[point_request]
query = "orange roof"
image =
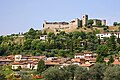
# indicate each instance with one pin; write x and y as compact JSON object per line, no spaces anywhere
{"x":5,"y":60}
{"x":116,"y":62}
{"x":51,"y":63}
{"x":77,"y":60}
{"x":86,"y":65}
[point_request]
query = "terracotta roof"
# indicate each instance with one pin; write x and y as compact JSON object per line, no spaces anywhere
{"x":86,"y":65}
{"x":76,"y":60}
{"x":92,"y":60}
{"x":5,"y":60}
{"x":51,"y":63}
{"x":116,"y":62}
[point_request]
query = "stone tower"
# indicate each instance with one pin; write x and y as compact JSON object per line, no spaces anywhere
{"x":84,"y":20}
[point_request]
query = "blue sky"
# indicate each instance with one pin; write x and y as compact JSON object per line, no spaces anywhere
{"x":20,"y":15}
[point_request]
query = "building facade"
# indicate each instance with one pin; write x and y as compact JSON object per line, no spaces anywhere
{"x":98,"y":22}
{"x":107,"y":35}
{"x":61,"y":25}
{"x":73,"y":24}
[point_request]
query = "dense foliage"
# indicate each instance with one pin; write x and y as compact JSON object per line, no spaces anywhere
{"x":74,"y":72}
{"x":60,"y":44}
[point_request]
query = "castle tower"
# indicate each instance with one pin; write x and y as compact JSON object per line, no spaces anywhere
{"x":44,"y":24}
{"x":84,"y":20}
{"x":104,"y":22}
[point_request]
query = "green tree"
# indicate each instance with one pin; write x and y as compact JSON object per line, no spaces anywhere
{"x":100,"y":58}
{"x":1,"y":39}
{"x":41,"y":66}
{"x":115,"y":24}
{"x":112,"y":42}
{"x":102,"y":49}
{"x":118,"y":39}
{"x":99,"y":23}
{"x":2,"y":76}
{"x":96,"y":72}
{"x":3,"y":50}
{"x":90,"y":22}
{"x":111,"y":60}
{"x":27,"y":44}
{"x":30,"y":34}
{"x":112,"y":73}
{"x":81,"y":73}
{"x":72,"y":71}
{"x":55,"y":73}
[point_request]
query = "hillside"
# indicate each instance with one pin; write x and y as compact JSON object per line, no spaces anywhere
{"x":85,"y":29}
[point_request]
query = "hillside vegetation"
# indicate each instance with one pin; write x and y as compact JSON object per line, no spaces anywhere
{"x":60,"y":44}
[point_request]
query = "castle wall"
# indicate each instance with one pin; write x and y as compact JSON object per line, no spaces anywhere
{"x":61,"y":25}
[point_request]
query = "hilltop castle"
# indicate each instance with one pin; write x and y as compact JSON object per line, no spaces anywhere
{"x":75,"y":23}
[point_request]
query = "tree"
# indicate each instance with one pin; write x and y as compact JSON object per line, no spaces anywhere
{"x":2,"y":77}
{"x":30,"y":34}
{"x":41,"y":66}
{"x":102,"y":49}
{"x":115,"y":24}
{"x":118,"y":39}
{"x":81,"y":73}
{"x":90,"y":22}
{"x":72,"y":70}
{"x":96,"y":72}
{"x":111,"y":60}
{"x":1,"y":39}
{"x":7,"y":71}
{"x":55,"y":73}
{"x":112,"y":42}
{"x":100,"y":58}
{"x":99,"y":23}
{"x":112,"y":73}
{"x":27,"y":44}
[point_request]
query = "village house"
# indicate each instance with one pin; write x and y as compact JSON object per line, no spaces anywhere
{"x":43,"y":37}
{"x":26,"y":62}
{"x":24,"y":65}
{"x":107,"y":35}
{"x":5,"y":60}
{"x":85,"y":55}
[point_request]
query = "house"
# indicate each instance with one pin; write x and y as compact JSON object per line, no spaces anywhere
{"x":107,"y":35}
{"x":5,"y":61}
{"x":81,"y":56}
{"x":88,"y":55}
{"x":18,"y":57}
{"x":85,"y":55}
{"x":24,"y":65}
{"x":26,"y":62}
{"x":116,"y":62}
{"x":43,"y":37}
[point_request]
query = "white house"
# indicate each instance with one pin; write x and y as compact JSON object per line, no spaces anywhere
{"x":84,"y":55}
{"x":16,"y":65}
{"x":81,"y":56}
{"x":43,"y":37}
{"x":107,"y":35}
{"x":18,"y":57}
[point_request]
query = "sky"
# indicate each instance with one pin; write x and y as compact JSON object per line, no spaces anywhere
{"x":21,"y":15}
